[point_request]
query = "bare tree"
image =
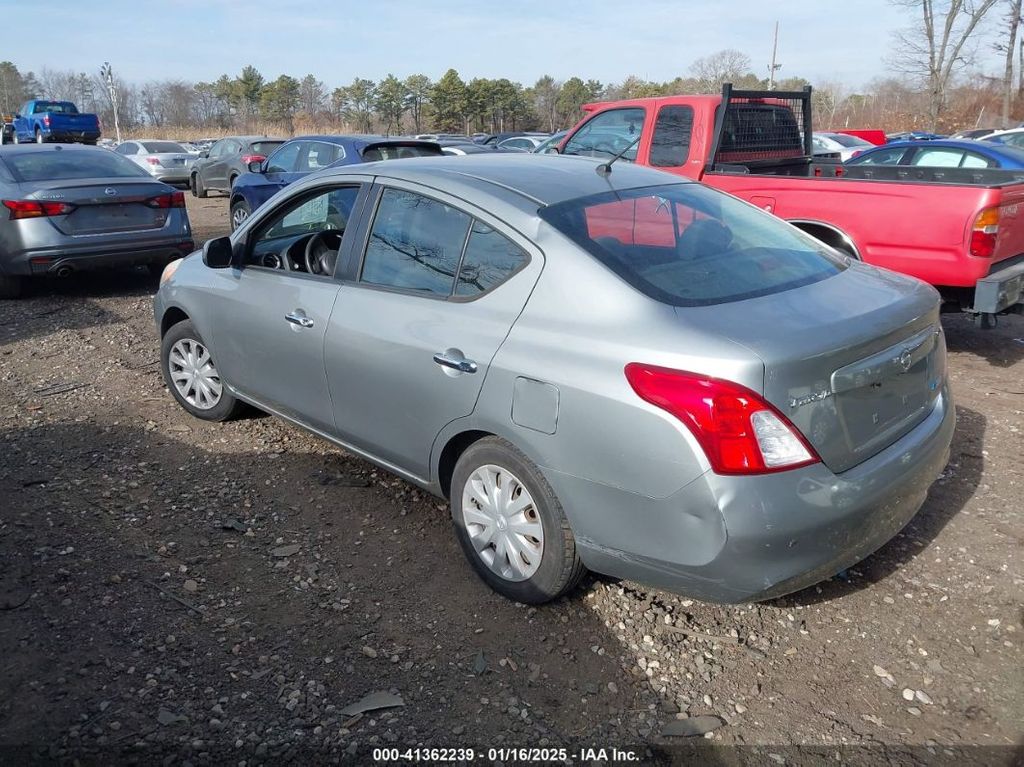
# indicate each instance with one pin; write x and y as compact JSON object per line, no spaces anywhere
{"x":1012,"y":21}
{"x":726,"y":66}
{"x":934,"y":50}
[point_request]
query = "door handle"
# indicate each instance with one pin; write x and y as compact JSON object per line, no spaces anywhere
{"x":462,"y":365}
{"x":299,"y":319}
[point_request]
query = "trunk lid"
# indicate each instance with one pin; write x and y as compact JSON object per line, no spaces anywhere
{"x":172,"y":159}
{"x":854,"y":361}
{"x":102,"y":206}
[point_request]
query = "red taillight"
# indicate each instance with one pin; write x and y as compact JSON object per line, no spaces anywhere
{"x":739,"y":432}
{"x":46,"y":120}
{"x":153,"y":160}
{"x":172,"y":200}
{"x":984,"y":233}
{"x":35,"y":209}
{"x":248,"y":158}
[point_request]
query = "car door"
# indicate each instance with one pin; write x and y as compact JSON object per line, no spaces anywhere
{"x":280,"y":168}
{"x":271,"y":314}
{"x":216,"y":176}
{"x":421,"y":313}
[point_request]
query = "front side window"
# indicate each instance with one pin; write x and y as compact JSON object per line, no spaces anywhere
{"x":609,"y":133}
{"x":217,"y":149}
{"x":415,"y":243}
{"x":283,"y":160}
{"x":938,"y":158}
{"x":670,"y":145}
{"x":318,"y":155}
{"x":689,"y":245}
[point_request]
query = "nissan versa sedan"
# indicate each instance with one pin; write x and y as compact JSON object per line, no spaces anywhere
{"x":599,"y":366}
{"x":65,"y":208}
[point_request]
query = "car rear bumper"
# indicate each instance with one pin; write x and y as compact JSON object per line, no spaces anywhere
{"x":59,"y":260}
{"x":171,"y":175}
{"x":1001,"y":290}
{"x":742,"y":539}
{"x":71,"y":135}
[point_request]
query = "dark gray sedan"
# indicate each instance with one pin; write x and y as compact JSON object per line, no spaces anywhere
{"x":614,"y":370}
{"x":65,"y":208}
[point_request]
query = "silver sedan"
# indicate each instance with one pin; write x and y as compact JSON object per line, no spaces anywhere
{"x":65,"y":208}
{"x":599,"y":367}
{"x":167,"y":161}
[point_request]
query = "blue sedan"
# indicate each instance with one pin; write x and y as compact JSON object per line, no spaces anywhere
{"x":943,"y":153}
{"x":303,"y":155}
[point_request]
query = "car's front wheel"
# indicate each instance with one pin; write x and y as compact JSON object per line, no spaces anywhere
{"x":239,"y":213}
{"x":191,"y":375}
{"x":511,"y":526}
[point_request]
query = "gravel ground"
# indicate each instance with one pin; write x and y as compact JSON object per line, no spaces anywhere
{"x":223,"y":593}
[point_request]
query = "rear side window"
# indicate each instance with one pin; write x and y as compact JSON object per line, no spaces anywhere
{"x":760,"y":128}
{"x":670,"y":146}
{"x":491,"y":258}
{"x":54,"y":165}
{"x":261,"y":147}
{"x":689,"y":245}
{"x":415,"y":243}
{"x":608,"y":133}
{"x":399,"y":151}
{"x":891,"y":156}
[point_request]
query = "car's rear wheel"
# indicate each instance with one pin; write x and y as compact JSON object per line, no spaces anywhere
{"x":39,"y":136}
{"x":192,"y":377}
{"x":198,"y":188}
{"x":231,"y":181}
{"x":11,"y":286}
{"x":240,"y":211}
{"x":511,"y":526}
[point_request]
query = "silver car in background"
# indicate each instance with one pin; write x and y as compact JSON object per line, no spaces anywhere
{"x":600,"y":366}
{"x":65,"y":208}
{"x":166,"y":161}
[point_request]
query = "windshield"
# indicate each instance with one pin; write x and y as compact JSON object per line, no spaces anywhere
{"x":163,"y":147}
{"x":264,"y":147}
{"x":688,"y":245}
{"x":55,"y":165}
{"x":848,"y":141}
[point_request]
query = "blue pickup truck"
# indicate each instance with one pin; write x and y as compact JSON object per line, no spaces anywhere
{"x":54,"y":121}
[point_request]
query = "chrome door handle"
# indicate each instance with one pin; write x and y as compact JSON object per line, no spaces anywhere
{"x":299,"y":319}
{"x":462,"y":365}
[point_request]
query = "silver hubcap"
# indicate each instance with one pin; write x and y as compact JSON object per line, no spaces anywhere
{"x":503,"y":523}
{"x":239,"y":216}
{"x":194,"y":375}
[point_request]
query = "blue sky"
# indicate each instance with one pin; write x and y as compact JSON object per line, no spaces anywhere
{"x":338,"y":40}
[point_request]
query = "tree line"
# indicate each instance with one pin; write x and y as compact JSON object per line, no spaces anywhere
{"x":935,"y":84}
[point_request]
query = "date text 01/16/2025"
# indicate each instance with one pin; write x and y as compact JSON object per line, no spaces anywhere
{"x":539,"y":755}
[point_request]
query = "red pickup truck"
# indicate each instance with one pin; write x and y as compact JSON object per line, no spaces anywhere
{"x":960,"y":229}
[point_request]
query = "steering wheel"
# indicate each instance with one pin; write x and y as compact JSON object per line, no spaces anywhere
{"x":322,"y":252}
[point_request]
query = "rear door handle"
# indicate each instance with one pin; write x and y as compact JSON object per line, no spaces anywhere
{"x":462,"y":365}
{"x":297,"y":318}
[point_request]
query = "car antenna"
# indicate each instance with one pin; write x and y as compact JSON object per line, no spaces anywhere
{"x":605,"y":168}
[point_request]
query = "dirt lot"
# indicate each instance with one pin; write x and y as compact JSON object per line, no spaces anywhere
{"x":220,"y":593}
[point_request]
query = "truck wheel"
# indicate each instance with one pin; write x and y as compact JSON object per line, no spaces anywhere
{"x":10,"y":286}
{"x":39,"y":136}
{"x":16,"y":141}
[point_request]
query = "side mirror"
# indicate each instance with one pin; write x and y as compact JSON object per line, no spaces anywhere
{"x":217,"y":253}
{"x":255,"y":166}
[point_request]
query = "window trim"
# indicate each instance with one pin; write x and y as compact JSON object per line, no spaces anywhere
{"x":354,"y":270}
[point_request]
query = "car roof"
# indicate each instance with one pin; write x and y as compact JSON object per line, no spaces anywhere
{"x":947,"y":143}
{"x":539,"y":179}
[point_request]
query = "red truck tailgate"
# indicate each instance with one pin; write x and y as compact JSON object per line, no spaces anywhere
{"x":1010,"y":237}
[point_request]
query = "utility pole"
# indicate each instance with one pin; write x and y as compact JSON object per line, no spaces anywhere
{"x":774,"y":67}
{"x":107,"y":73}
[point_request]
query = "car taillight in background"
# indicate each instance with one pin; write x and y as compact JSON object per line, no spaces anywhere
{"x":35,"y":209}
{"x":984,"y":233}
{"x":739,"y":432}
{"x":171,"y":200}
{"x":153,"y":160}
{"x":248,"y":158}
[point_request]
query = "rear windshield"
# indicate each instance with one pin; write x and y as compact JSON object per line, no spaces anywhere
{"x":56,"y":164}
{"x":399,"y":151}
{"x":688,"y":245}
{"x":848,"y":141}
{"x":169,"y":147}
{"x":55,"y":107}
{"x":264,"y":147}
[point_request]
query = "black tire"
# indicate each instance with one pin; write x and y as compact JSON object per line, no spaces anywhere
{"x":156,"y":269}
{"x":11,"y":286}
{"x":560,"y":568}
{"x":227,"y":406}
{"x":231,"y":182}
{"x":198,"y":187}
{"x":39,"y":137}
{"x":239,"y":212}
